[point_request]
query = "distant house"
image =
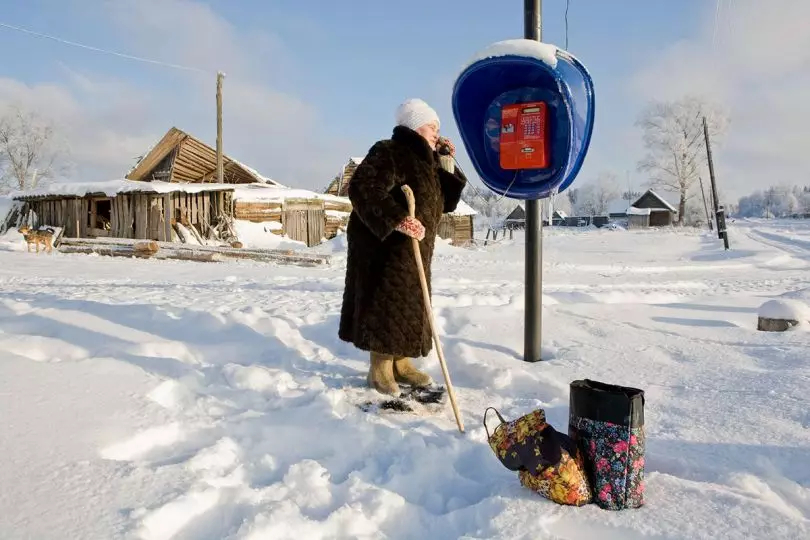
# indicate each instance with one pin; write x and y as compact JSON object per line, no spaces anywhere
{"x":340,"y":184}
{"x":651,"y":210}
{"x":516,"y":218}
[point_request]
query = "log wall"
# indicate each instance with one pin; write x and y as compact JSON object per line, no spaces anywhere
{"x":144,"y":216}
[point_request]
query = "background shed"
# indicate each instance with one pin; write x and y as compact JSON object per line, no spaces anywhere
{"x":458,"y":226}
{"x":662,"y":213}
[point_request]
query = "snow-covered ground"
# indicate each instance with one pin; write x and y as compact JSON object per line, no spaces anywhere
{"x":168,"y":399}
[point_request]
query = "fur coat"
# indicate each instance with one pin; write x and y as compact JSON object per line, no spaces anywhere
{"x":383,"y":309}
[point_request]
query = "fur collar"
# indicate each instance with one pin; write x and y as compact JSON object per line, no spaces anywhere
{"x":414,"y":141}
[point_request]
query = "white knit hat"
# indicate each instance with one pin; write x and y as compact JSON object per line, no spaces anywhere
{"x":415,"y":113}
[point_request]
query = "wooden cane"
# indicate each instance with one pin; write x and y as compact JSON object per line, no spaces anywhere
{"x":426,"y":295}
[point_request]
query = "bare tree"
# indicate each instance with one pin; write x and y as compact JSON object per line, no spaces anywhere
{"x":676,"y":149}
{"x":31,"y":153}
{"x":594,"y":199}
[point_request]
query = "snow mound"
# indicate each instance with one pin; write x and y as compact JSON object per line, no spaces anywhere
{"x":786,"y":309}
{"x":261,"y":236}
{"x":12,"y":241}
{"x":337,"y":245}
{"x":445,"y":247}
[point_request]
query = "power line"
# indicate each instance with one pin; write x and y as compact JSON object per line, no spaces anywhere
{"x":567,"y":5}
{"x":106,"y":51}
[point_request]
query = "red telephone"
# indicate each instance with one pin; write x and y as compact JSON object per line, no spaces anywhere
{"x":524,"y":136}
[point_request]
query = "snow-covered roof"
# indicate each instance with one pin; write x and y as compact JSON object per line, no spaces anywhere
{"x":561,"y":214}
{"x":663,"y":201}
{"x":633,"y":211}
{"x":259,"y":177}
{"x":112,"y":187}
{"x":463,"y":209}
{"x":266,"y":192}
{"x":517,"y":47}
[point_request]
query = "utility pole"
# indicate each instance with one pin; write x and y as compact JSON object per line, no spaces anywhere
{"x":220,"y":168}
{"x":719,"y":212}
{"x":532,"y":29}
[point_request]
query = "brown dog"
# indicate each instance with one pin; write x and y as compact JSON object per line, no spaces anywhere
{"x":43,"y":236}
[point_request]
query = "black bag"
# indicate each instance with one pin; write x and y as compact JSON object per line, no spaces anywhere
{"x":607,"y":422}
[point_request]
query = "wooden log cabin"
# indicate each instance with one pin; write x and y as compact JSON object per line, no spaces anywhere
{"x":157,"y":210}
{"x":298,"y":214}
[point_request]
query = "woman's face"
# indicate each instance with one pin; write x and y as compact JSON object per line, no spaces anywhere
{"x":430,"y":132}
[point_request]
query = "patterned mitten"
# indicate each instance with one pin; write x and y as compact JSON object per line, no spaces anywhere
{"x":412,"y":227}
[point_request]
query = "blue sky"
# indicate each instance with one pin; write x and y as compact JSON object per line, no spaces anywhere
{"x":311,"y":83}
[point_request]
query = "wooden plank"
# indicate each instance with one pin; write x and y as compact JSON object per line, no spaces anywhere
{"x":194,"y":218}
{"x":206,"y":216}
{"x":167,"y":217}
{"x":141,"y":217}
{"x":113,"y":218}
{"x":154,"y":217}
{"x":130,"y":204}
{"x":122,"y":221}
{"x":84,"y":216}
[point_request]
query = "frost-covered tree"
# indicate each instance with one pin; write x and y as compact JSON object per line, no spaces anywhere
{"x":675,"y":145}
{"x":489,"y":205}
{"x":775,"y":202}
{"x":594,"y":198}
{"x":31,"y":152}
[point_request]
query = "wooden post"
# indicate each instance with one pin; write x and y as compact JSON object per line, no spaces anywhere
{"x":220,"y":169}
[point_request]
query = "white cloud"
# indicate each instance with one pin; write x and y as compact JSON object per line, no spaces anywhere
{"x":759,"y":70}
{"x":110,"y":120}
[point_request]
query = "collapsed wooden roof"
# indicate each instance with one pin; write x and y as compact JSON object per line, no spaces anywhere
{"x":180,"y":157}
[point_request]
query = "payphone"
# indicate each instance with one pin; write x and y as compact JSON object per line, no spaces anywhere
{"x":524,"y":141}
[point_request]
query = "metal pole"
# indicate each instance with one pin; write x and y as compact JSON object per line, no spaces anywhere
{"x":534,"y":227}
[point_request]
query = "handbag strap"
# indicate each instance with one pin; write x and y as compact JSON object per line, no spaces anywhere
{"x":485,"y":419}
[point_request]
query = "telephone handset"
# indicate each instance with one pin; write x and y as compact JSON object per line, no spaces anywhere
{"x":524,"y":136}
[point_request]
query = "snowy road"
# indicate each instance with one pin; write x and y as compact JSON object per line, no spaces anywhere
{"x":156,"y":400}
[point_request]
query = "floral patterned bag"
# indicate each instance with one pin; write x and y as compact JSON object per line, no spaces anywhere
{"x":547,"y":461}
{"x":607,"y":423}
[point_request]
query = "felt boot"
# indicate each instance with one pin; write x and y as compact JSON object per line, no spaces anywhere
{"x":381,"y":374}
{"x":406,"y":373}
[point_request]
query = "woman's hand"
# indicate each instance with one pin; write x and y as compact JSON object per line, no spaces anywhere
{"x":410,"y":226}
{"x":446,"y":147}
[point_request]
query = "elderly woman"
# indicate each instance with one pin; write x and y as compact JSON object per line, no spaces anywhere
{"x":383,"y":310}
